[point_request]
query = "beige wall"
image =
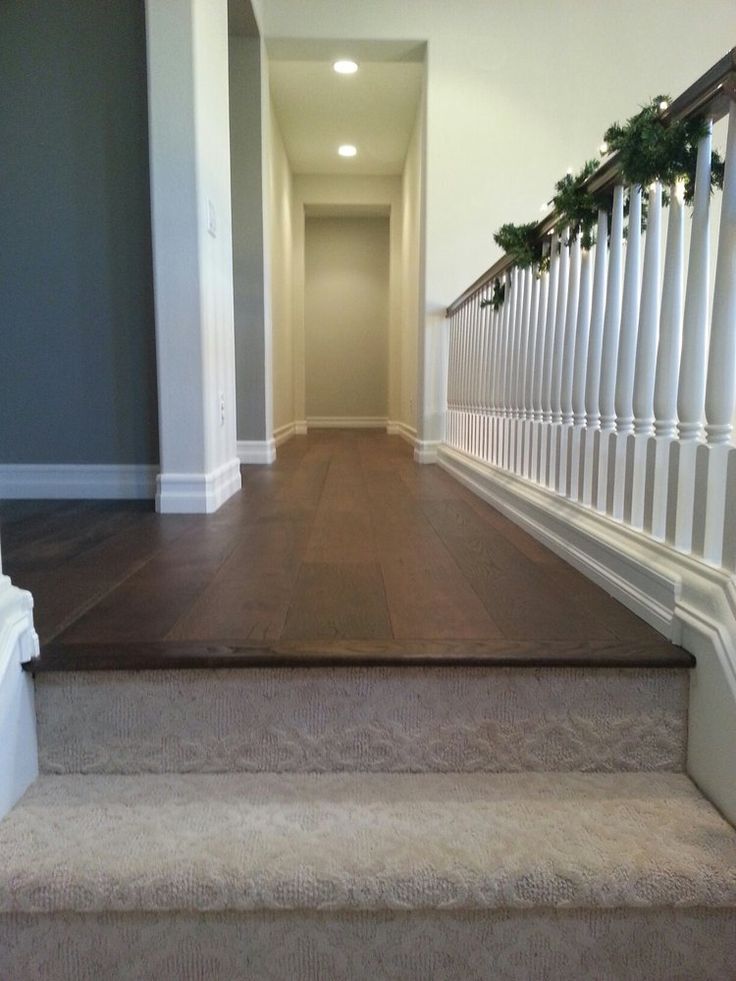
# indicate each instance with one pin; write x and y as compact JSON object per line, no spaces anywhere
{"x":348,"y":195}
{"x":346,"y":301}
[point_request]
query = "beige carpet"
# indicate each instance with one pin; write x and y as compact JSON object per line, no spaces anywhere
{"x":364,"y":842}
{"x":425,"y":945}
{"x":369,"y":719}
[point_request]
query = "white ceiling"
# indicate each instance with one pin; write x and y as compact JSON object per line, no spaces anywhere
{"x":317,"y":110}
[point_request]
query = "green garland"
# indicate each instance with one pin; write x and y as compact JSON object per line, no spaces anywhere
{"x":577,"y":207}
{"x":650,"y":148}
{"x":521,"y":243}
{"x":498,"y":295}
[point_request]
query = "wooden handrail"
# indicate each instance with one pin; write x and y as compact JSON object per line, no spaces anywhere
{"x":710,"y":95}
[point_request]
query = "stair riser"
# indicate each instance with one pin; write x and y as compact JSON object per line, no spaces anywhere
{"x":363,"y":719}
{"x":544,"y":945}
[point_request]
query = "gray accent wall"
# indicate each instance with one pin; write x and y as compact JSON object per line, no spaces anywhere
{"x":77,"y":334}
{"x":247,"y":209}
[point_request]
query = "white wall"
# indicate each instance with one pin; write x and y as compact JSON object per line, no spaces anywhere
{"x":518,"y":90}
{"x":193,"y":276}
{"x":281,"y":223}
{"x":346,"y":318}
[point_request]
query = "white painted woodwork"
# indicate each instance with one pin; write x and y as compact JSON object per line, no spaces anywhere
{"x":720,"y":400}
{"x":597,"y":318}
{"x":558,"y":341}
{"x":568,"y":347}
{"x":691,"y":389}
{"x":645,"y":365}
{"x":624,"y":391}
{"x":612,"y":318}
{"x":670,"y":323}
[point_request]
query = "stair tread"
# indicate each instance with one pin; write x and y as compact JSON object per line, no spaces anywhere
{"x":165,"y":655}
{"x":359,"y":841}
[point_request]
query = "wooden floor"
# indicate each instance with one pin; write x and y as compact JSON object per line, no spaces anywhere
{"x":345,"y":538}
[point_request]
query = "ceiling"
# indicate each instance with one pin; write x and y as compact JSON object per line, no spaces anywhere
{"x":318,"y":110}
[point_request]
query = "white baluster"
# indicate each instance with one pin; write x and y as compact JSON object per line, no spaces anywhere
{"x":537,"y":377}
{"x":668,"y":365}
{"x":528,"y":379}
{"x":561,"y":472}
{"x":521,"y":368}
{"x":593,"y":368}
{"x":580,"y":364}
{"x":560,"y":329}
{"x":548,"y":358}
{"x":568,"y":353}
{"x":691,"y":383}
{"x":720,"y":399}
{"x":645,"y":367}
{"x":609,"y":350}
{"x":624,"y":396}
{"x":451,"y":381}
{"x":720,"y":396}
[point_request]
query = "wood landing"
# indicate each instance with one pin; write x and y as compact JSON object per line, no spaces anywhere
{"x":344,"y":551}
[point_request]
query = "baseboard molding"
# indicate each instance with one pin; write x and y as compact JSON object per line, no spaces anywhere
{"x":284,"y":433}
{"x":256,"y":450}
{"x":77,"y":480}
{"x":197,"y":493}
{"x":408,"y":433}
{"x":425,"y":450}
{"x":18,"y":643}
{"x":300,"y":427}
{"x":346,"y":422}
{"x":689,"y":601}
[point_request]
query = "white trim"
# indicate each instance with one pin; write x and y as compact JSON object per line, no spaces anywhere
{"x":18,"y":643}
{"x":686,"y":599}
{"x":300,"y":427}
{"x":425,"y":450}
{"x":396,"y":428}
{"x":346,"y":422}
{"x":77,"y":480}
{"x":197,"y":493}
{"x":256,"y":450}
{"x":283,"y":433}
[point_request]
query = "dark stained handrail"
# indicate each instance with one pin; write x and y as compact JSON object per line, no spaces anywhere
{"x":710,"y":95}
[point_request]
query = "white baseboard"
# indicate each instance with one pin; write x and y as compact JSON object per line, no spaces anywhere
{"x":18,"y":643}
{"x":300,"y":427}
{"x":689,"y":601}
{"x":346,"y":422}
{"x":283,"y":433}
{"x":408,"y":433}
{"x":425,"y":450}
{"x":197,"y":493}
{"x":256,"y":450}
{"x":77,"y":480}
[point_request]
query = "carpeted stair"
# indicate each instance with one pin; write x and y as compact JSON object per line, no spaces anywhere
{"x":349,"y":823}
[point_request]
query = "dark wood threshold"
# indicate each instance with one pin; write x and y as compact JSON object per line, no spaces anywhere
{"x":358,"y":653}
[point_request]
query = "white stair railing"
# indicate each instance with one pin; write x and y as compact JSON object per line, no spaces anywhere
{"x":610,"y":377}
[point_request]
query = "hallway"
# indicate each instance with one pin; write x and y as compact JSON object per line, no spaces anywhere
{"x":345,"y":538}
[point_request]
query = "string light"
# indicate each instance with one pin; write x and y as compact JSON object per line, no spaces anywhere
{"x":603,"y":149}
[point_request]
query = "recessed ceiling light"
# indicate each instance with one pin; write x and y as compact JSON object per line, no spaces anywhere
{"x":347,"y":150}
{"x":345,"y":67}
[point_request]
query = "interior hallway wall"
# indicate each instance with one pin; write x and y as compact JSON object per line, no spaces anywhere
{"x":495,"y":146}
{"x":248,"y":240}
{"x":281,"y":225}
{"x":78,"y":362}
{"x":346,"y":318}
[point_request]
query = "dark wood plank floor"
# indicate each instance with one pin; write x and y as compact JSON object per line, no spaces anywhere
{"x":343,"y":539}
